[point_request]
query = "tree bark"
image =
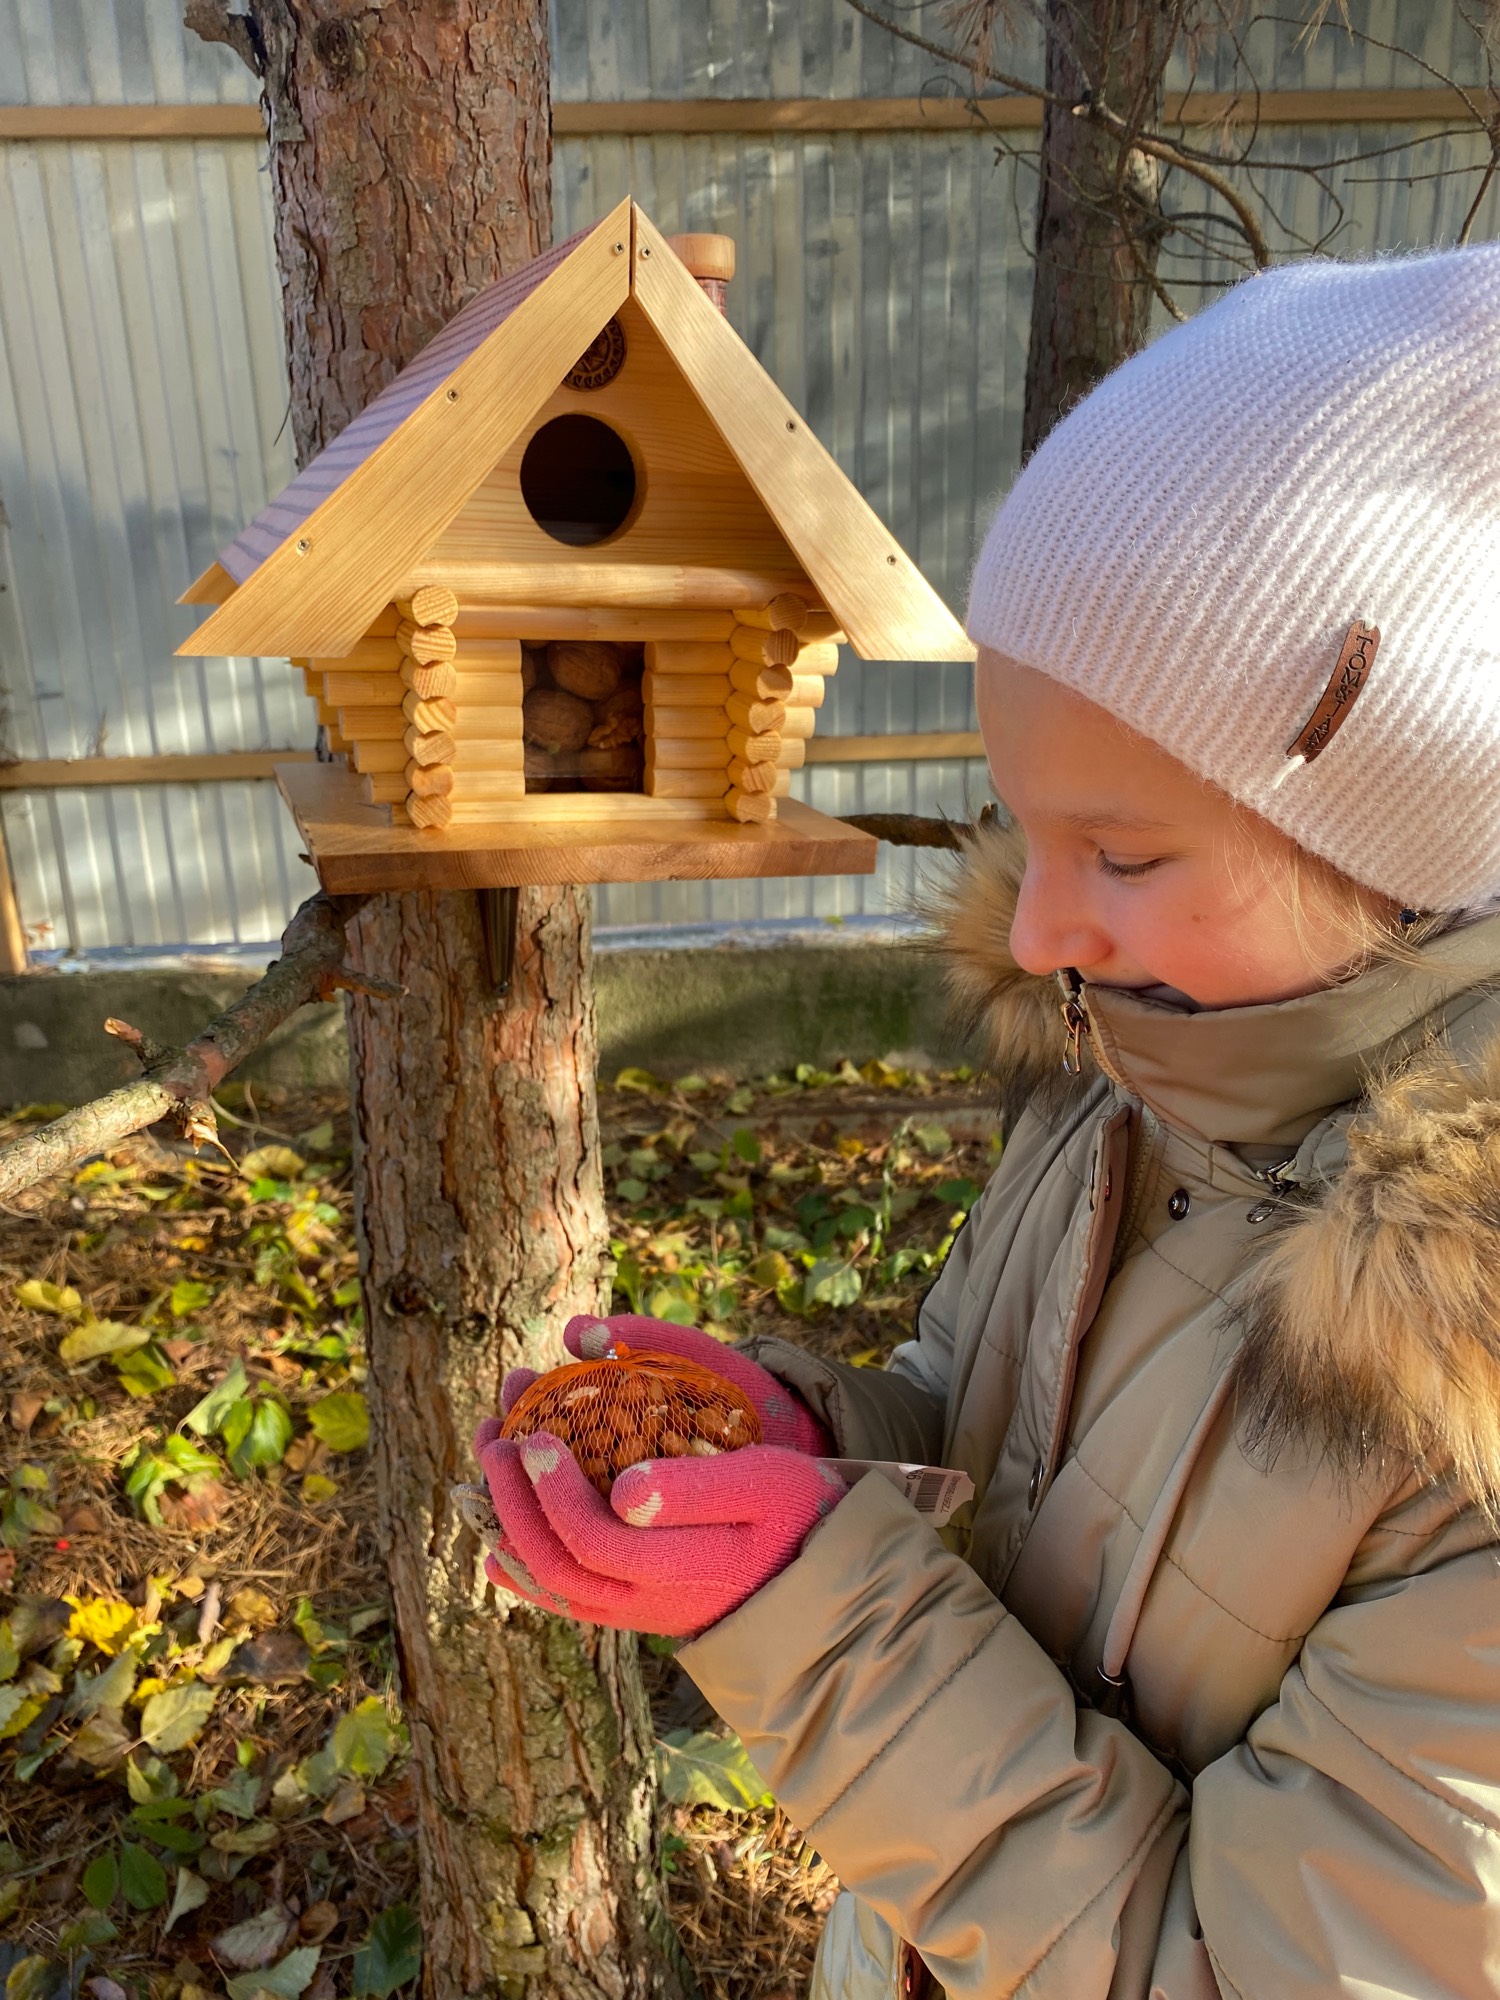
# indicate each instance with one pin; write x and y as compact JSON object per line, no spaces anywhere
{"x":1098,"y":207}
{"x":410,"y":164}
{"x":480,"y":1208}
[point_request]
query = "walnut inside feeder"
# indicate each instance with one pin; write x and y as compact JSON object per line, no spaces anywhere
{"x":583,"y":716}
{"x":633,"y":1405}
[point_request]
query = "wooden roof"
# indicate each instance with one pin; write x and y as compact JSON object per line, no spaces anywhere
{"x":324,"y":558}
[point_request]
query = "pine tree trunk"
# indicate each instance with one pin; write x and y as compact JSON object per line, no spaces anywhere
{"x":1097,"y":229}
{"x":410,"y":162}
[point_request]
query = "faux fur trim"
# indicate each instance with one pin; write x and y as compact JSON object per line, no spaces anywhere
{"x":1372,"y":1326}
{"x":1015,"y":1016}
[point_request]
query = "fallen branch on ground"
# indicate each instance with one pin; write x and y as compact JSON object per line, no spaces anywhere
{"x":178,"y":1083}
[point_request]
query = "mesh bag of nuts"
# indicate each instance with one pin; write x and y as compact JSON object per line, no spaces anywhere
{"x":633,"y":1405}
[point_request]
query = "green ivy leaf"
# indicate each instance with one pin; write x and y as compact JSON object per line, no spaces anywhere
{"x":189,"y":1295}
{"x":391,"y":1955}
{"x":342,"y":1420}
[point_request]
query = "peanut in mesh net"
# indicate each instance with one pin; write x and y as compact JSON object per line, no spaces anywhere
{"x":631,"y":1405}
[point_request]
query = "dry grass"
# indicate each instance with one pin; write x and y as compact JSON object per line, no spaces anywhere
{"x":700,"y":1178}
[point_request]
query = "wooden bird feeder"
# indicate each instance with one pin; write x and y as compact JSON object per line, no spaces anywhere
{"x":568,"y":590}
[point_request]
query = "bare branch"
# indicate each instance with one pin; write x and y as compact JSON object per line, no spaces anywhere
{"x":179,"y":1083}
{"x":916,"y":830}
{"x":211,"y":21}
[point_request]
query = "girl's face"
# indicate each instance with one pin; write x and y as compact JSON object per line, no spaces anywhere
{"x":1138,"y":873}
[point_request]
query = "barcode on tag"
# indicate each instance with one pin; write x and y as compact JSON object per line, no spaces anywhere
{"x":936,"y":1491}
{"x":926,"y":1491}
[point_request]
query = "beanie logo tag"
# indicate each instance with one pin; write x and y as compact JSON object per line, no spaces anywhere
{"x":1356,"y":657}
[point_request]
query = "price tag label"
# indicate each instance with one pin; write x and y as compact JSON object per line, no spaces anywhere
{"x":936,"y":1491}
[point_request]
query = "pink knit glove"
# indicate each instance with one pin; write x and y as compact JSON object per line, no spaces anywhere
{"x":678,"y":1545}
{"x":784,"y":1418}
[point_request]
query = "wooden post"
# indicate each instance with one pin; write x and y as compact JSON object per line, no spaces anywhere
{"x":13,"y":955}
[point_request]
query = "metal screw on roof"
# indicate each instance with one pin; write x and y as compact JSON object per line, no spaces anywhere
{"x":645,"y":249}
{"x":892,"y":561}
{"x":619,"y":249}
{"x":303,"y":546}
{"x":790,"y":425}
{"x":453,"y":395}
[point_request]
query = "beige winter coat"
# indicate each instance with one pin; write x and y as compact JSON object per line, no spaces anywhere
{"x":1204,"y":1699}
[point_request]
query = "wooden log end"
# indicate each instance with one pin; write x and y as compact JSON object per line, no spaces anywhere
{"x":432,"y":781}
{"x":426,"y":643}
{"x":754,"y":746}
{"x":750,"y":808}
{"x":424,"y":747}
{"x":429,"y":810}
{"x":789,"y":613}
{"x":433,"y":604}
{"x":747,"y":777}
{"x":429,"y":682}
{"x":780,"y":648}
{"x":430,"y":715}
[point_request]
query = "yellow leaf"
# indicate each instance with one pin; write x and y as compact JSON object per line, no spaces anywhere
{"x":152,"y":1684}
{"x":102,"y":1621}
{"x":317,"y":1487}
{"x":250,"y":1606}
{"x":61,"y":1300}
{"x":849,"y":1146}
{"x":100,"y":1336}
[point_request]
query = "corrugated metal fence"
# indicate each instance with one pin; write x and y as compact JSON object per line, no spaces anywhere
{"x":884,"y":281}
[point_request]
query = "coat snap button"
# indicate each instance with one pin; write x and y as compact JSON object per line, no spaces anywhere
{"x":1262,"y":1211}
{"x":1179,"y":1201}
{"x":1034,"y":1490}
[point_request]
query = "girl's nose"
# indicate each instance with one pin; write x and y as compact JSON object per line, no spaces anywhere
{"x":1052,"y":928}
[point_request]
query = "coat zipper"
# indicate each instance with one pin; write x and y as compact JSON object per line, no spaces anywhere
{"x":1076,"y":1021}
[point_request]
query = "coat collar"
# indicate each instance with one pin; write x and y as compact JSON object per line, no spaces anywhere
{"x":1265,"y":1076}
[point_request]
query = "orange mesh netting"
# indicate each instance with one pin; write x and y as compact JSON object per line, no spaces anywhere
{"x":634,"y":1405}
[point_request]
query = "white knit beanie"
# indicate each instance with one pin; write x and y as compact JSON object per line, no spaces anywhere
{"x":1191,"y":545}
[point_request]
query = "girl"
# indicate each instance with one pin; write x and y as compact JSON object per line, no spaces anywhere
{"x":1201,"y":1696}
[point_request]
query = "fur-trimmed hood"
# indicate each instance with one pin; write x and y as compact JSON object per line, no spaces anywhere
{"x":1370,"y":1322}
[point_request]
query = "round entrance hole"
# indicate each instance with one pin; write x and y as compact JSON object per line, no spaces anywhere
{"x":578,"y":480}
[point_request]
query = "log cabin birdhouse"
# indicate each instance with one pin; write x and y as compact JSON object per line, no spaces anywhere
{"x":568,"y":590}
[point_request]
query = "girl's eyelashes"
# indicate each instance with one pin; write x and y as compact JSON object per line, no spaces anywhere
{"x":1128,"y":871}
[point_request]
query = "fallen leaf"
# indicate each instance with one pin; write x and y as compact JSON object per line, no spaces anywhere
{"x":288,"y":1980}
{"x":39,"y":1296}
{"x":96,"y":1337}
{"x":25,"y":1407}
{"x":254,"y":1942}
{"x":102,"y":1741}
{"x":342,"y":1420}
{"x":104,"y":1622}
{"x":82,"y":1519}
{"x":190,"y":1893}
{"x":179,"y":1352}
{"x":200,"y":1507}
{"x":347,"y":1803}
{"x":250,"y":1606}
{"x":172,"y":1719}
{"x":317,"y":1487}
{"x":318,"y":1922}
{"x":271,"y":1659}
